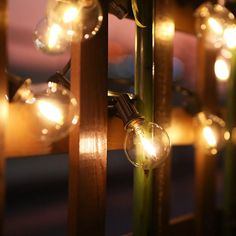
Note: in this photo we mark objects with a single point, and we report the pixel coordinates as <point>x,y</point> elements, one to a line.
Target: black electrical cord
<point>60,78</point>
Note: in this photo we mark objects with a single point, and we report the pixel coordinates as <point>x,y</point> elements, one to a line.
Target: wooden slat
<point>20,142</point>
<point>229,206</point>
<point>205,165</point>
<point>182,225</point>
<point>163,53</point>
<point>88,142</point>
<point>3,104</point>
<point>184,19</point>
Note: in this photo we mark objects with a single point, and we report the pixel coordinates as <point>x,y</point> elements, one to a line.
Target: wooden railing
<point>86,214</point>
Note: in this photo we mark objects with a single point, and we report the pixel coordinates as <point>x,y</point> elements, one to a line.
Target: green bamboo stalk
<point>144,89</point>
<point>230,153</point>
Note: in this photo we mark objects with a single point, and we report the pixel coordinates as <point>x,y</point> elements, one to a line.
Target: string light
<point>146,145</point>
<point>212,132</point>
<point>53,110</point>
<point>67,21</point>
<point>211,21</point>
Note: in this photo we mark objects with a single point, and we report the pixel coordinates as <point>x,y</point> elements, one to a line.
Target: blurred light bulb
<point>209,136</point>
<point>212,131</point>
<point>222,68</point>
<point>215,25</point>
<point>50,38</point>
<point>80,20</point>
<point>91,18</point>
<point>147,145</point>
<point>211,22</point>
<point>230,36</point>
<point>53,110</point>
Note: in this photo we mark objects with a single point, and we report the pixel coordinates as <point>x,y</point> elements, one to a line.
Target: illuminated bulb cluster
<point>212,132</point>
<point>67,21</point>
<point>53,110</point>
<point>213,22</point>
<point>146,145</point>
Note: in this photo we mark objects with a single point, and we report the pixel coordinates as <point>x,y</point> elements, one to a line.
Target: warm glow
<point>222,69</point>
<point>209,136</point>
<point>53,36</point>
<point>233,136</point>
<point>91,143</point>
<point>230,36</point>
<point>165,29</point>
<point>227,135</point>
<point>70,14</point>
<point>148,147</point>
<point>147,144</point>
<point>215,25</point>
<point>51,112</point>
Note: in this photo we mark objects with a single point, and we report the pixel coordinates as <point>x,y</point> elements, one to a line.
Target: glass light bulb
<point>211,21</point>
<point>80,19</point>
<point>91,18</point>
<point>67,14</point>
<point>147,145</point>
<point>53,111</point>
<point>212,133</point>
<point>222,68</point>
<point>50,38</point>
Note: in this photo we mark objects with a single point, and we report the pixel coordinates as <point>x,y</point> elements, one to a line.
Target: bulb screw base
<point>127,111</point>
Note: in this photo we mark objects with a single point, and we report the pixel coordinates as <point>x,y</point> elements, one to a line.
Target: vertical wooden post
<point>163,24</point>
<point>205,165</point>
<point>3,104</point>
<point>229,208</point>
<point>144,89</point>
<point>88,142</point>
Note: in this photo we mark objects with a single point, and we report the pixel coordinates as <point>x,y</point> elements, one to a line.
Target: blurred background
<point>36,189</point>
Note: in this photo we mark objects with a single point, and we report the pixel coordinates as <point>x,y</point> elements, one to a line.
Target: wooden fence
<point>86,210</point>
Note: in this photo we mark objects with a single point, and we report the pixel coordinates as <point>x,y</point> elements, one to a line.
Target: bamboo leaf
<point>135,11</point>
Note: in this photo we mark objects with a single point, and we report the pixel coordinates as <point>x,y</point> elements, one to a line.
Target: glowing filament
<point>215,25</point>
<point>70,15</point>
<point>229,37</point>
<point>147,145</point>
<point>50,112</point>
<point>222,69</point>
<point>209,136</point>
<point>53,36</point>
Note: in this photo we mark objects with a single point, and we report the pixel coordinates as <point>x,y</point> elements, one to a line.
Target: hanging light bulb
<point>80,19</point>
<point>212,132</point>
<point>50,38</point>
<point>91,18</point>
<point>146,145</point>
<point>53,109</point>
<point>222,68</point>
<point>211,22</point>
